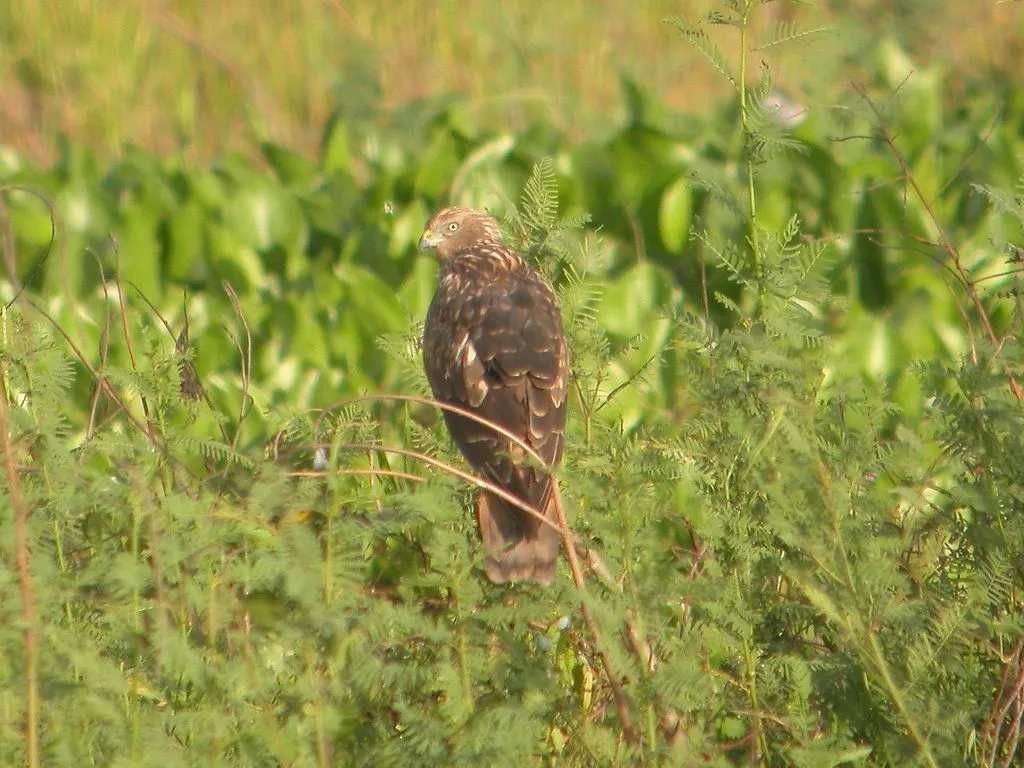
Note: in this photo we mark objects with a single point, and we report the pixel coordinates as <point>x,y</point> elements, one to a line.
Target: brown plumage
<point>493,344</point>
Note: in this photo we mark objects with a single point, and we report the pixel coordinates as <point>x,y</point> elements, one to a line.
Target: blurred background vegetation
<point>204,79</point>
<point>282,146</point>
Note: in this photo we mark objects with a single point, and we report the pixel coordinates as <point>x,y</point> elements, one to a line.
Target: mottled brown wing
<point>498,349</point>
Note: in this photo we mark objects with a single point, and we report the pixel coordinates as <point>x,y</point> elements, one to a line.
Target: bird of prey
<point>493,345</point>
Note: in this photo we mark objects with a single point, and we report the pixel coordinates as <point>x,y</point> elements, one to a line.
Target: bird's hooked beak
<point>430,239</point>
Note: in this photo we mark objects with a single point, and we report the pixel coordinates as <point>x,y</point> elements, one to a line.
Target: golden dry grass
<point>213,77</point>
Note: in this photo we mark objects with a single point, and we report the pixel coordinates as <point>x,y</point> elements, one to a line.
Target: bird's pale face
<point>452,230</point>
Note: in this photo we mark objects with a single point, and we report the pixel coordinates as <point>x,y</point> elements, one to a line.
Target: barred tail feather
<point>518,547</point>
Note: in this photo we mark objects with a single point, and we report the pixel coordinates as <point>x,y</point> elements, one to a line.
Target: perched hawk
<point>493,344</point>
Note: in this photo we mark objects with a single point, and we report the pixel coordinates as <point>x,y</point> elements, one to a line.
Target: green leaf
<point>31,219</point>
<point>539,204</point>
<point>234,261</point>
<point>186,247</point>
<point>264,216</point>
<point>437,164</point>
<point>634,297</point>
<point>699,39</point>
<point>406,229</point>
<point>674,214</point>
<point>336,156</point>
<point>851,755</point>
<point>139,250</point>
<point>290,167</point>
<point>788,32</point>
<point>732,728</point>
<point>873,282</point>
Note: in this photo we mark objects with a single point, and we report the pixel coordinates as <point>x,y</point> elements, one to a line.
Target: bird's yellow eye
<point>453,226</point>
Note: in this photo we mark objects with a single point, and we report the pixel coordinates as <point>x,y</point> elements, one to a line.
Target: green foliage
<point>796,460</point>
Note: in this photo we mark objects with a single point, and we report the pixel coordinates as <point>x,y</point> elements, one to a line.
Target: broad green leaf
<point>336,156</point>
<point>235,261</point>
<point>290,167</point>
<point>406,229</point>
<point>264,216</point>
<point>437,164</point>
<point>634,297</point>
<point>139,250</point>
<point>186,248</point>
<point>674,214</point>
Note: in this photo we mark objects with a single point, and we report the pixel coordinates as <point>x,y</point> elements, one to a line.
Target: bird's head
<point>452,230</point>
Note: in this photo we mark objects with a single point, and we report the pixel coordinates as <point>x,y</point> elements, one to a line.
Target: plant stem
<point>871,650</point>
<point>463,658</point>
<point>28,596</point>
<point>751,663</point>
<point>961,273</point>
<point>896,696</point>
<point>747,154</point>
<point>622,704</point>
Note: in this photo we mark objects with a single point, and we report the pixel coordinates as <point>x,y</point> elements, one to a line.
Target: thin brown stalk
<point>628,382</point>
<point>497,428</point>
<point>997,275</point>
<point>23,561</point>
<point>944,240</point>
<point>982,141</point>
<point>170,332</point>
<point>639,246</point>
<point>670,720</point>
<point>157,571</point>
<point>594,561</point>
<point>104,350</point>
<point>1010,695</point>
<point>445,467</point>
<point>246,355</point>
<point>370,472</point>
<point>907,175</point>
<point>112,393</point>
<point>622,704</point>
<point>127,335</point>
<point>561,525</point>
<point>153,309</point>
<point>41,261</point>
<point>1013,737</point>
<point>705,305</point>
<point>7,246</point>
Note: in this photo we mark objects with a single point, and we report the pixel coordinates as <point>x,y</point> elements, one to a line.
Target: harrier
<point>493,345</point>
